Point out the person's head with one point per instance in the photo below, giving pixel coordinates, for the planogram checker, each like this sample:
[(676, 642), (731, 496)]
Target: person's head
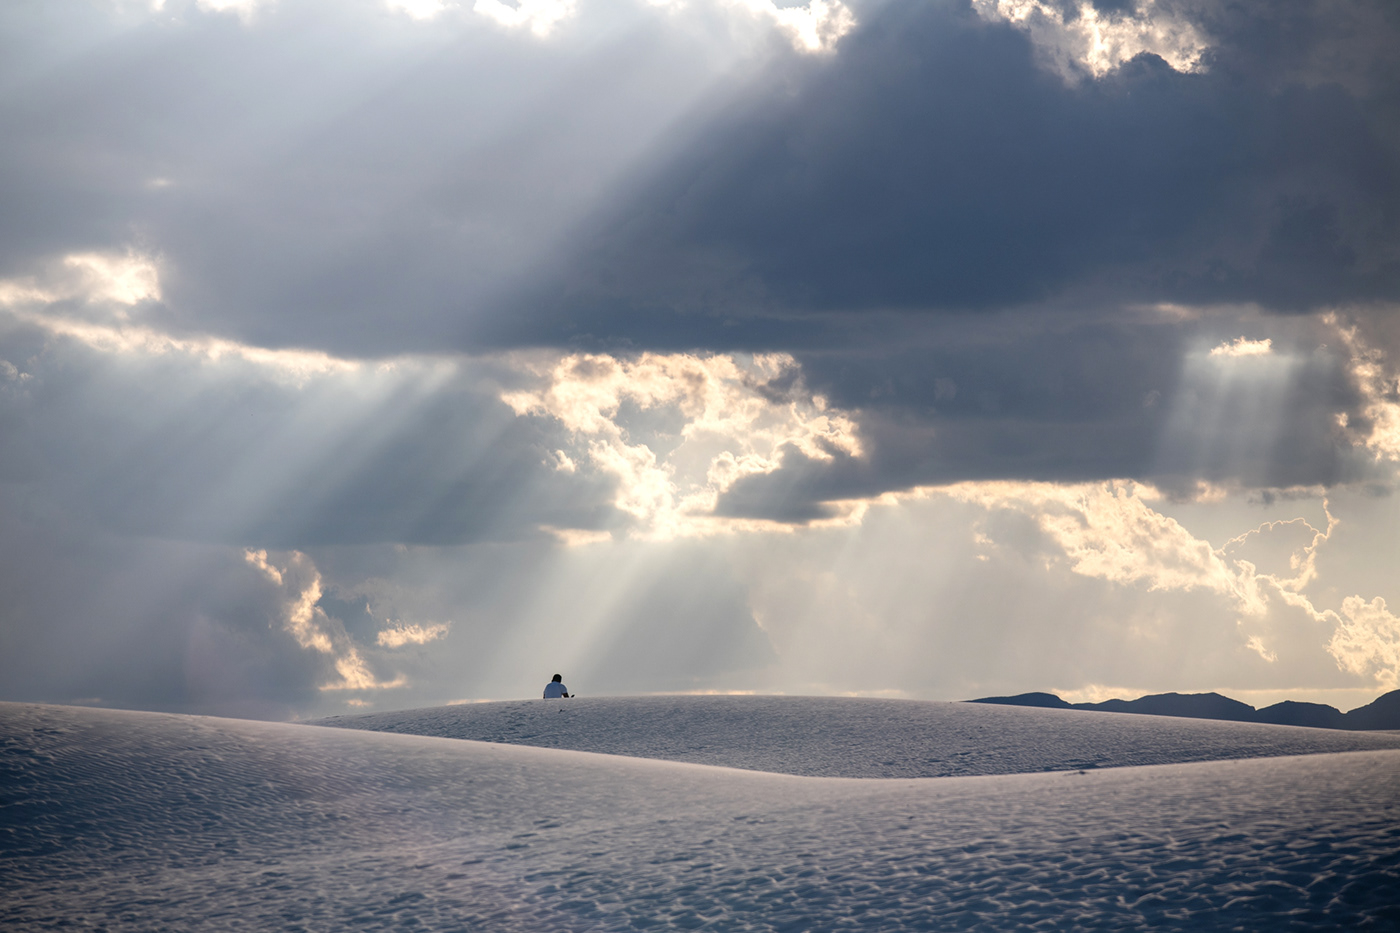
[(558, 679)]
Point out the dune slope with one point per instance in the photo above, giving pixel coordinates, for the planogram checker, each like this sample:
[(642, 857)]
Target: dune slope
[(142, 821), (848, 737)]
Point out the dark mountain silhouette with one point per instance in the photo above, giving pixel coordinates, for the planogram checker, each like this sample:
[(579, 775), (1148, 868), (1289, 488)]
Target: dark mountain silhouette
[(1048, 700), (1190, 705), (1382, 713), (1293, 713)]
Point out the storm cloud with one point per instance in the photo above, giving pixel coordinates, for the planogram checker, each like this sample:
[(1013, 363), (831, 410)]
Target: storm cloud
[(937, 164)]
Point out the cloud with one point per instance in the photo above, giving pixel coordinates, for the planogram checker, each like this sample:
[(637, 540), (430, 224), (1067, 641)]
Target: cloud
[(1256, 644), (995, 587), (660, 444), (813, 27), (1243, 346), (129, 281), (308, 623), (454, 152), (209, 439), (1067, 402), (690, 186), (123, 278), (417, 9), (1367, 640), (881, 182), (718, 420), (114, 283), (401, 634), (1378, 427), (141, 622), (538, 16), (1076, 39), (1110, 531), (246, 10)]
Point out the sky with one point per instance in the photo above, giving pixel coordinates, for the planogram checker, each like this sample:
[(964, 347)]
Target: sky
[(373, 354)]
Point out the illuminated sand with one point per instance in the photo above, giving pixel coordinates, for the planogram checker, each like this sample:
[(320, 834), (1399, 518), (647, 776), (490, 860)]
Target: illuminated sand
[(868, 738), (147, 821)]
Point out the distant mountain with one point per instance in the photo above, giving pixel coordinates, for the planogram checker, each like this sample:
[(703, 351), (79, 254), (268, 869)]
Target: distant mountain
[(1293, 713), (1383, 713), (1190, 705), (1048, 700)]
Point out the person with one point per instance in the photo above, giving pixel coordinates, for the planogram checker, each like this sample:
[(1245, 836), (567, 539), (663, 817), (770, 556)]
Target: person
[(555, 689)]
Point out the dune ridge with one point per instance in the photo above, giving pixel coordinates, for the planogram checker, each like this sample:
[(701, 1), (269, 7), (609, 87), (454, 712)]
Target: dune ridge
[(859, 737)]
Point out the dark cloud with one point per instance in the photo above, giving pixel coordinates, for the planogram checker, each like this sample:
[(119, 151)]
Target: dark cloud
[(934, 164), (1028, 396), (334, 176)]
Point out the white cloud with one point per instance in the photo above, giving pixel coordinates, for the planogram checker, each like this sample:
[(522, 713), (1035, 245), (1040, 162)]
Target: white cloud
[(1256, 644), (9, 372), (305, 621), (1109, 531), (1367, 640), (124, 278), (1302, 561), (417, 9), (1243, 346), (814, 28), (110, 285), (1097, 42), (732, 423), (537, 16), (404, 634), (245, 10), (1380, 391), (127, 279), (296, 366)]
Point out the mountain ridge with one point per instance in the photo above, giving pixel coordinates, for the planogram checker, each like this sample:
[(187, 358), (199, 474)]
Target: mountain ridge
[(1381, 713)]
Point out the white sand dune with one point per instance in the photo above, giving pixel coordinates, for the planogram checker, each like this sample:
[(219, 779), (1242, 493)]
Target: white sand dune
[(143, 821), (858, 737)]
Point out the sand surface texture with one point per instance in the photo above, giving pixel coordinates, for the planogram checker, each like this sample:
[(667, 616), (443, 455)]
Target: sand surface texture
[(846, 737), (143, 821)]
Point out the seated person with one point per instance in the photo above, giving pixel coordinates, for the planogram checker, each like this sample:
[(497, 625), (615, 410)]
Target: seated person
[(555, 689)]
